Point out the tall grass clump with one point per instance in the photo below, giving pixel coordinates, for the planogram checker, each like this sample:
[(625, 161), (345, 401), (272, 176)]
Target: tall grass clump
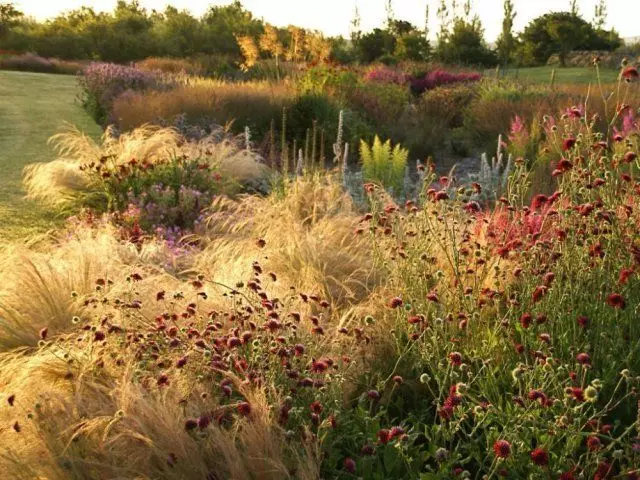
[(384, 164), (152, 174), (206, 102)]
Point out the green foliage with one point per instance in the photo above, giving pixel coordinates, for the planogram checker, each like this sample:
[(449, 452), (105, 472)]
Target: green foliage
[(465, 44), (561, 32), (412, 46), (9, 16), (373, 45), (506, 43), (383, 164)]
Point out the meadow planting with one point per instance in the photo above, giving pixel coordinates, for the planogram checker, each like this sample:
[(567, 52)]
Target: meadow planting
[(285, 256), (206, 313)]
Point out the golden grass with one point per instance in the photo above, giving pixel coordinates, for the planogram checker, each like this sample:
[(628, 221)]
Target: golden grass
[(310, 242), (249, 103), (62, 184)]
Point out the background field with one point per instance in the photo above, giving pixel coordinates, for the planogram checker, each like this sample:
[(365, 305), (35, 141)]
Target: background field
[(33, 106), (577, 75)]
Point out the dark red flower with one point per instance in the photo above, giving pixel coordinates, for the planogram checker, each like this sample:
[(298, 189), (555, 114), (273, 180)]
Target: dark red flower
[(502, 449), (583, 321), (455, 358), (316, 407), (625, 274), (349, 465), (568, 143), (395, 302), (593, 443), (525, 320), (583, 359), (244, 409), (384, 435), (616, 300), (630, 73), (539, 292), (630, 157), (540, 457)]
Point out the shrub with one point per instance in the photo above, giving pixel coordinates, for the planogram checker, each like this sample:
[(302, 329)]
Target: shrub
[(102, 83), (384, 165), (426, 126), (30, 62), (439, 78), (386, 75)]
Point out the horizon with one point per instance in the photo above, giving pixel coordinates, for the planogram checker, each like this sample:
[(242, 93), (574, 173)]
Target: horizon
[(321, 16)]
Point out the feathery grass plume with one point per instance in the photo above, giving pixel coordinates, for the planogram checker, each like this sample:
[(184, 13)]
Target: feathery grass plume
[(66, 182), (383, 164), (309, 240), (38, 282)]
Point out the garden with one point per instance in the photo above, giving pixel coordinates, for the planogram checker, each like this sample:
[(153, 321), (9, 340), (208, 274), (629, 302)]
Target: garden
[(310, 269)]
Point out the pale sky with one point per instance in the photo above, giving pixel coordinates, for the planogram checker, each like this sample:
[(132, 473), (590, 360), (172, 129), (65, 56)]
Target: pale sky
[(334, 16)]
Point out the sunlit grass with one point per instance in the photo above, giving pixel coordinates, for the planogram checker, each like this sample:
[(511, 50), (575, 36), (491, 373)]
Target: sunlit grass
[(33, 107)]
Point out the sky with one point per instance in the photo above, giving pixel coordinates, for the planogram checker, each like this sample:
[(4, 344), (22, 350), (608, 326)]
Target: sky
[(334, 16)]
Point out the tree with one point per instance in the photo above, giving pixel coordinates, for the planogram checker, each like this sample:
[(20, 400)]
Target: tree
[(375, 44), (465, 44), (250, 52), (295, 52), (9, 16), (559, 33), (573, 7), (270, 43), (356, 33), (222, 23), (426, 22), (412, 46), (600, 15), (390, 14), (318, 47), (506, 42)]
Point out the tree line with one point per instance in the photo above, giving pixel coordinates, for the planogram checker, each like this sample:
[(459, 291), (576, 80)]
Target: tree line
[(131, 32)]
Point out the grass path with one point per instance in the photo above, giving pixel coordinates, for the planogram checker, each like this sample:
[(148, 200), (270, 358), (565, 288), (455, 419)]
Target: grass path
[(569, 75), (33, 106)]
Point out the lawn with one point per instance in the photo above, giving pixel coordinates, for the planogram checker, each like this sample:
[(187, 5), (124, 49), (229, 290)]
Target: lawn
[(33, 106), (575, 75)]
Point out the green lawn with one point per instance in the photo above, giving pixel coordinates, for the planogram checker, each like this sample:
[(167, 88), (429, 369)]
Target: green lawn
[(33, 106), (576, 75)]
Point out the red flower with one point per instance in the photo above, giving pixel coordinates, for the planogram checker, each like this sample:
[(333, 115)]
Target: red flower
[(593, 443), (395, 302), (583, 359), (384, 435), (630, 157), (616, 300), (625, 274), (568, 143), (350, 465), (583, 321), (525, 320), (455, 358), (539, 292), (540, 457), (244, 409), (316, 407), (502, 449), (630, 73)]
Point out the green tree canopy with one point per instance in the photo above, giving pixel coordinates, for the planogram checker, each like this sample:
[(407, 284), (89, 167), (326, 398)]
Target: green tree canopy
[(562, 32)]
